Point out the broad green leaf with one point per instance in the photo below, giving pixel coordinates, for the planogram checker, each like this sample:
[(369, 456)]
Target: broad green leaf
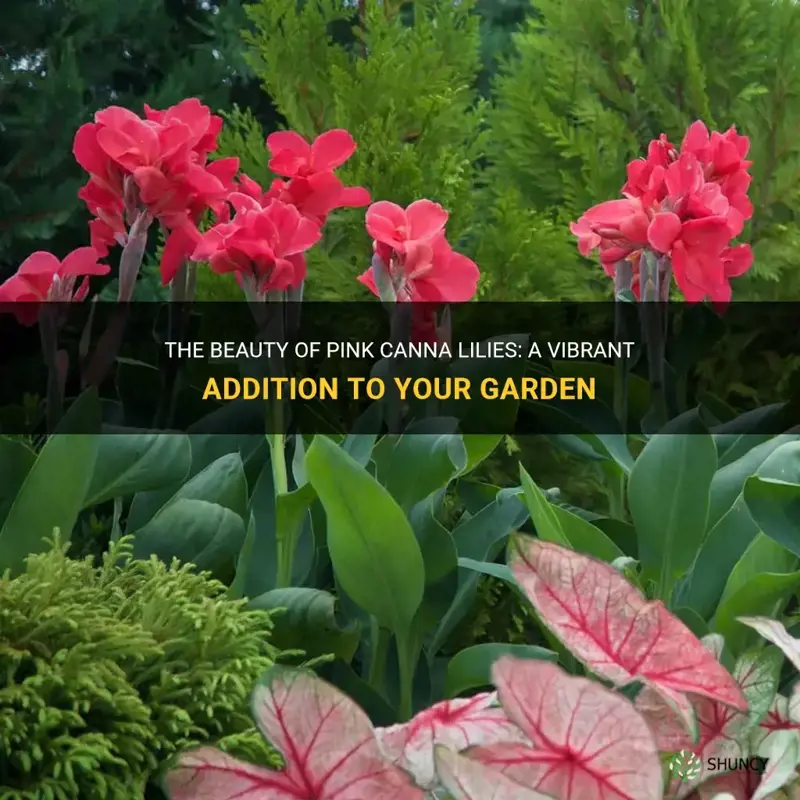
[(308, 623), (775, 506), (193, 531), (256, 571), (543, 514), (441, 565), (372, 546), (480, 538), (204, 521), (479, 447), (499, 571), (555, 524), (206, 449), (762, 555), (668, 496), (419, 462), (138, 462), (16, 461), (52, 492), (727, 541), (761, 595), (730, 479), (471, 668)]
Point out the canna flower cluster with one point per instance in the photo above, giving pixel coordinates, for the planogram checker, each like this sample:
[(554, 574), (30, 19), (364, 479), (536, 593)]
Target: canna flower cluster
[(683, 205), (158, 168)]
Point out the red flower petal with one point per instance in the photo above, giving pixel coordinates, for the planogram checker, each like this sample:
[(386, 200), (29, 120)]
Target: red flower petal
[(385, 221), (83, 261), (615, 631), (331, 149), (288, 140), (355, 197), (86, 150), (178, 248), (426, 219), (663, 230), (696, 138), (39, 263), (587, 740)]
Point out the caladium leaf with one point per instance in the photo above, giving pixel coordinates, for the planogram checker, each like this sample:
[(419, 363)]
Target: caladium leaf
[(612, 628), (587, 741), (327, 742), (723, 731), (782, 754), (456, 724), (738, 785), (466, 779), (776, 633)]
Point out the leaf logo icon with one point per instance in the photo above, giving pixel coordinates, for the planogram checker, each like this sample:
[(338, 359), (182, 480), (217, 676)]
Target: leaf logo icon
[(686, 765)]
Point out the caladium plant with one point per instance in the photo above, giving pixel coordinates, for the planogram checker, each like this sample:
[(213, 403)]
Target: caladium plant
[(544, 733)]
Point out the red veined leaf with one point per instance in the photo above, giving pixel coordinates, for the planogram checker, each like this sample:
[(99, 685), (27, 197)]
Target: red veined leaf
[(587, 741), (776, 633), (723, 732), (740, 785), (456, 724), (781, 754), (326, 740), (466, 779), (209, 774), (612, 628), (784, 713)]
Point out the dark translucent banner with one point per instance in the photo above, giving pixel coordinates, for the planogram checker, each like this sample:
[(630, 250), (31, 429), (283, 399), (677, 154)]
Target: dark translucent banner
[(342, 367)]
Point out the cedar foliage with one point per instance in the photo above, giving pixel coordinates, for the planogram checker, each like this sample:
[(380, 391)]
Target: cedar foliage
[(404, 80), (592, 81), (62, 60)]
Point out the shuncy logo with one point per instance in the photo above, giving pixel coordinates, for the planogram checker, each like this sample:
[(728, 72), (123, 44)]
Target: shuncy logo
[(686, 765)]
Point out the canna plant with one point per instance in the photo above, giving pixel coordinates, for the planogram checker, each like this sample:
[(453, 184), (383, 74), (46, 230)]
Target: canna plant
[(651, 690)]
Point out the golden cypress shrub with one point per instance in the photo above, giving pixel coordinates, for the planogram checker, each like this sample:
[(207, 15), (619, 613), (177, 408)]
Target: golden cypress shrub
[(106, 672)]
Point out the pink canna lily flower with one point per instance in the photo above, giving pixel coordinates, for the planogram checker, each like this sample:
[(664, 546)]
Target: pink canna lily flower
[(294, 157), (42, 277)]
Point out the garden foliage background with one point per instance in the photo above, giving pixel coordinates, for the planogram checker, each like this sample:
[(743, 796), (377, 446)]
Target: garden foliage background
[(516, 117)]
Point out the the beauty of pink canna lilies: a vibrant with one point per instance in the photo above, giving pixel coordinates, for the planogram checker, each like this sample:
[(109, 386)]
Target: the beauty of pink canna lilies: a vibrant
[(685, 204)]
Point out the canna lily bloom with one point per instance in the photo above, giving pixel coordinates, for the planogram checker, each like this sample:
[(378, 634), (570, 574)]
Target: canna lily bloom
[(157, 164), (44, 278), (294, 157), (430, 272), (264, 246), (393, 227), (410, 245), (318, 195), (312, 186), (686, 205)]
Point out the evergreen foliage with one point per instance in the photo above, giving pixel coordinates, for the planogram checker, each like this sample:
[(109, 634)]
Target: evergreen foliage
[(109, 671), (61, 61), (405, 83), (594, 80)]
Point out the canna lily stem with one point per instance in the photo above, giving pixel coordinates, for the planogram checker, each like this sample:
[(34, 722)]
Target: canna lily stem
[(653, 329), (618, 486)]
